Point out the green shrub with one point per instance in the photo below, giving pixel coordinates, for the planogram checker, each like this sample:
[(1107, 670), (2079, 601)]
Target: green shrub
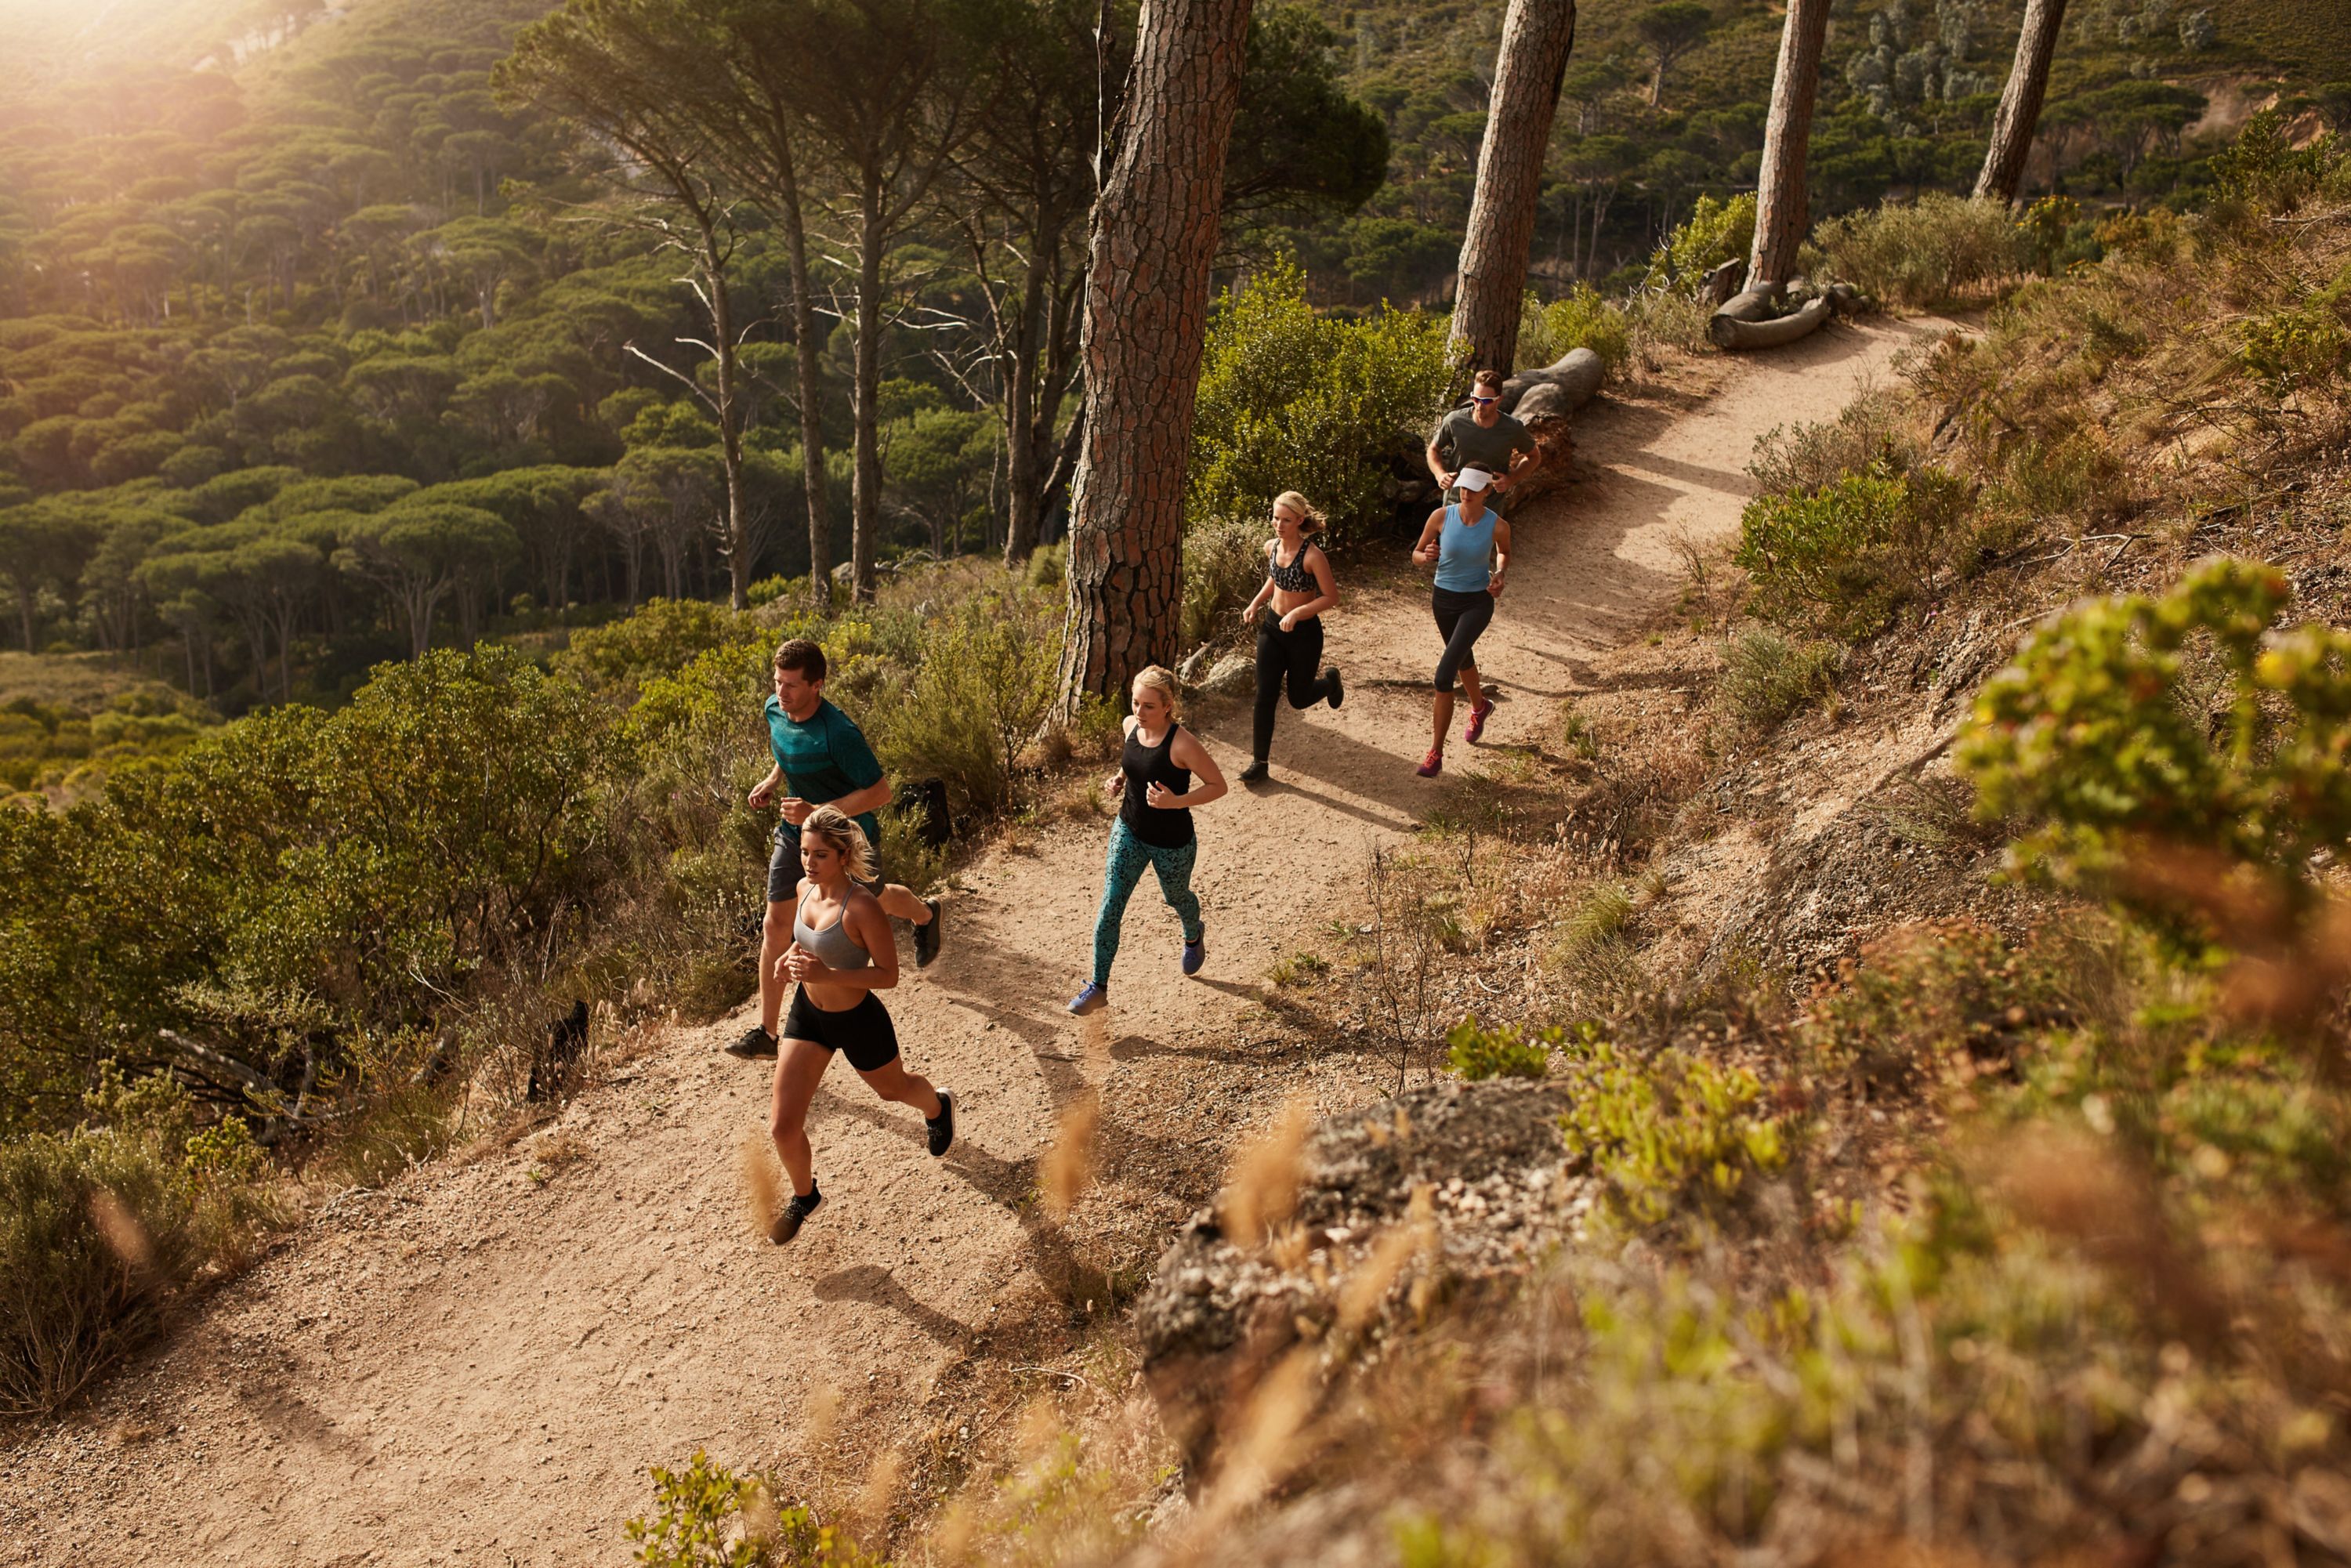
[(1766, 677), (103, 1228), (1873, 430), (706, 1515), (1477, 1052), (1719, 229), (1292, 400), (1224, 563), (1049, 567), (2302, 347), (654, 640), (2091, 735), (1667, 1131), (1841, 561), (1584, 319), (1921, 255), (986, 683)]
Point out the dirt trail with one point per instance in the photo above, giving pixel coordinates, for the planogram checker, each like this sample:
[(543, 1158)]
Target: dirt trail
[(477, 1368)]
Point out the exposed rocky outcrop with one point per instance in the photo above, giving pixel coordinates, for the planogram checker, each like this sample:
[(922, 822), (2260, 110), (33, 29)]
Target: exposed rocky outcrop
[(1445, 1195)]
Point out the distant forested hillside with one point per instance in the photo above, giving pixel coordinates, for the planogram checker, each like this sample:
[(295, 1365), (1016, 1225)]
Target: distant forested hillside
[(316, 350)]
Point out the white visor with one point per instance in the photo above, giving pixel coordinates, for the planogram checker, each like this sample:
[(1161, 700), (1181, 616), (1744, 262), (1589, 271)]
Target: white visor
[(1473, 479)]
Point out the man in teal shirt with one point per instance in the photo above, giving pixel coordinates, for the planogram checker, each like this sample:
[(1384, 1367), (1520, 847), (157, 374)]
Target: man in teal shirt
[(822, 759)]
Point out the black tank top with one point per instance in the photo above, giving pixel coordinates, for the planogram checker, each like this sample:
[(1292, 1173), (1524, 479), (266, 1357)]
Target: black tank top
[(1144, 765)]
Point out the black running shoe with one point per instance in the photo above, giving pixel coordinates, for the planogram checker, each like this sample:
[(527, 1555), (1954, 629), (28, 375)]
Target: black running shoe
[(940, 1128), (795, 1214), (757, 1044), (927, 936), (1338, 686), (1255, 772)]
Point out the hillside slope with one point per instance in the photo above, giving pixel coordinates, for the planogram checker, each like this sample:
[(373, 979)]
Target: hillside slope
[(477, 1364)]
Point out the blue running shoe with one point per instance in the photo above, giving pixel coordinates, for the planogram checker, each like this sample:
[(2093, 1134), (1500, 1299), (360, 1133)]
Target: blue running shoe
[(1196, 954), (1092, 1000)]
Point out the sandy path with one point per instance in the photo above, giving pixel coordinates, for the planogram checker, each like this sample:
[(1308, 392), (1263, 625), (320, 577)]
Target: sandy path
[(477, 1368)]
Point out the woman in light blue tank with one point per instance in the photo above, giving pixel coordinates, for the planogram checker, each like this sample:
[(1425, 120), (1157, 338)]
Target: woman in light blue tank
[(843, 953), (1470, 544)]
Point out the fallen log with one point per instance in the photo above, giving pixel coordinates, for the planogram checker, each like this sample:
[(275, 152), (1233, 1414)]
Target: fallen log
[(1746, 321), (1566, 384)]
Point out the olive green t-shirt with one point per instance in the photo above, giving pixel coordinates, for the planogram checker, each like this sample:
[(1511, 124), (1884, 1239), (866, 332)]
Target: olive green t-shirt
[(1466, 444)]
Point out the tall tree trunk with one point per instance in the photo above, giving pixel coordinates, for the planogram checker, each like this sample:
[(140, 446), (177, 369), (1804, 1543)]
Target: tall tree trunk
[(730, 426), (806, 347), (1154, 238), (1536, 37), (865, 480), (2020, 102), (1024, 494), (1781, 211)]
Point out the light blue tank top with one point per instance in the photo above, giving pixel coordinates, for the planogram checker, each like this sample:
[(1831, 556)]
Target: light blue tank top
[(1465, 551)]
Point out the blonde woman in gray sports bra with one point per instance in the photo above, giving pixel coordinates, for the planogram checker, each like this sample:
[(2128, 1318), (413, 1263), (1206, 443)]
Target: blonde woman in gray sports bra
[(842, 952)]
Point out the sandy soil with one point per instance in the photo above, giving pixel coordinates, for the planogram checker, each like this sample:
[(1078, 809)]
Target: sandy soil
[(477, 1364)]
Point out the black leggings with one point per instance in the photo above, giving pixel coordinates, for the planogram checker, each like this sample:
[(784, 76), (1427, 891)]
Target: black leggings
[(1297, 653), (1461, 618)]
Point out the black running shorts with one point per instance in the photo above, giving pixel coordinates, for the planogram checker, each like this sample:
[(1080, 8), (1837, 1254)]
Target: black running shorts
[(862, 1034)]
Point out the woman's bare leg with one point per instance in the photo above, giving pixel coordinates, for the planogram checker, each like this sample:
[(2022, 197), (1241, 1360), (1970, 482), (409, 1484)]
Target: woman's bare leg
[(895, 1083), (799, 1065)]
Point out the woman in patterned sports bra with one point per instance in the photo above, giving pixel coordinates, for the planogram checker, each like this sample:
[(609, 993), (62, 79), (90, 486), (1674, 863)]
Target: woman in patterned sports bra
[(1289, 631)]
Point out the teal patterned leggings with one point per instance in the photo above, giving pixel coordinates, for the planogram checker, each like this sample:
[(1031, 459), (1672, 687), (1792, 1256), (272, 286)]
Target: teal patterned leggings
[(1128, 856)]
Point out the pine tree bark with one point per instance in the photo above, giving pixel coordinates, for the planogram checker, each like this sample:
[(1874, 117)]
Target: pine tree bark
[(2020, 102), (1155, 239), (1782, 214), (1537, 36)]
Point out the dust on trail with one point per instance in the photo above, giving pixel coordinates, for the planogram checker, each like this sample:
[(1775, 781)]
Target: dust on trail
[(476, 1367)]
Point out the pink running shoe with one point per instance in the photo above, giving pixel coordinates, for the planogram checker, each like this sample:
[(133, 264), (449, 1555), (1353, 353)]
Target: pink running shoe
[(1432, 765), (1477, 725)]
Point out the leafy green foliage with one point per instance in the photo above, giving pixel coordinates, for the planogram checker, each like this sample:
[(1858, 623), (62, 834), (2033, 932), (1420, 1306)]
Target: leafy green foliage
[(1940, 249), (102, 1227), (1767, 677), (1718, 230), (1667, 1130), (1477, 1052), (1841, 561), (2093, 735), (986, 683), (706, 1516), (1291, 399)]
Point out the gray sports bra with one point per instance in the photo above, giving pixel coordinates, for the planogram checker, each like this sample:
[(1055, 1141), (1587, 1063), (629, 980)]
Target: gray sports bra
[(832, 945)]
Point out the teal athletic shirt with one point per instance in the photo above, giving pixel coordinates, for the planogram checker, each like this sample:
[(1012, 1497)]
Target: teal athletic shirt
[(823, 760)]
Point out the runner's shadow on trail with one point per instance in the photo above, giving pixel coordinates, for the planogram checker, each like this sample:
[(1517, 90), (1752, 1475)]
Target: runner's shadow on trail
[(872, 1285)]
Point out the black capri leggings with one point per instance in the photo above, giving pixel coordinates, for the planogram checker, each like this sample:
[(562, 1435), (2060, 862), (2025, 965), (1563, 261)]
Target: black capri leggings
[(1461, 619), (1297, 654)]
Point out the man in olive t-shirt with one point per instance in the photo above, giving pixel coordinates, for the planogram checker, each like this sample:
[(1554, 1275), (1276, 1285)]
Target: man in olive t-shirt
[(1483, 436)]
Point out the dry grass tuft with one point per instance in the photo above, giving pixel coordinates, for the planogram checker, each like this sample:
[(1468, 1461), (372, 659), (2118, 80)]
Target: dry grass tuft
[(1067, 1169), (1369, 1285), (1266, 1446), (120, 1230), (1263, 1191), (763, 1193)]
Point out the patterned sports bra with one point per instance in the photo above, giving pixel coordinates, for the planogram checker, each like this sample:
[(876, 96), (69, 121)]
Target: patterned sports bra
[(1293, 577)]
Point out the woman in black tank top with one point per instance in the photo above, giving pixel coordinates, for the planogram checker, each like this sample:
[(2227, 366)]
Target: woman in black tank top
[(1298, 583), (1154, 784)]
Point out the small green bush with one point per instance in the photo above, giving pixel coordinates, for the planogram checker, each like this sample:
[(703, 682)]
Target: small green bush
[(1289, 399), (1921, 255), (1585, 318), (1477, 1052), (2090, 735), (1668, 1131), (1767, 678), (986, 683), (1873, 430), (1719, 229), (103, 1228), (1840, 561), (706, 1515), (1223, 562)]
